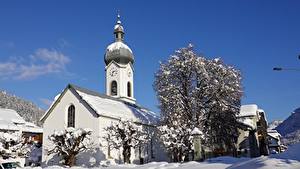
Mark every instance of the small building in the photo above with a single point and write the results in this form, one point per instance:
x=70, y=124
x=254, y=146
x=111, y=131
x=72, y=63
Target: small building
x=274, y=141
x=11, y=121
x=252, y=140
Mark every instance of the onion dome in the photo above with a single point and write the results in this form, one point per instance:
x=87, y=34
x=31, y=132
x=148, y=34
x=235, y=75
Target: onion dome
x=118, y=51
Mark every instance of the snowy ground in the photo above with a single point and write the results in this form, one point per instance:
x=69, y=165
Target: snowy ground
x=216, y=163
x=287, y=160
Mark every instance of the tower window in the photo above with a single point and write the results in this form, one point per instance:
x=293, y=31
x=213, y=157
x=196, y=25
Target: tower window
x=114, y=88
x=71, y=116
x=128, y=89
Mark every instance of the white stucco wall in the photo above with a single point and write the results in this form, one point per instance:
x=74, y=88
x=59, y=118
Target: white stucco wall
x=57, y=120
x=158, y=153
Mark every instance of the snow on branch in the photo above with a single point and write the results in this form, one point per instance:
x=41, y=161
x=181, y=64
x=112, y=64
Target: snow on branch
x=194, y=91
x=13, y=145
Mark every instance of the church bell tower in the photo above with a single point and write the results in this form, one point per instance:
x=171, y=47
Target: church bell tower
x=119, y=61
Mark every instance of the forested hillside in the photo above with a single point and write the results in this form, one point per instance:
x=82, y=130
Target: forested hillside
x=28, y=110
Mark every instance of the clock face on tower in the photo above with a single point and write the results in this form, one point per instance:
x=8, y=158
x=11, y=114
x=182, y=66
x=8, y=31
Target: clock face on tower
x=129, y=73
x=113, y=72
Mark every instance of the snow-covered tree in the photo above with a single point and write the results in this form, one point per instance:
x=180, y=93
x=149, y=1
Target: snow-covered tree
x=126, y=135
x=70, y=142
x=176, y=84
x=13, y=145
x=197, y=92
x=222, y=104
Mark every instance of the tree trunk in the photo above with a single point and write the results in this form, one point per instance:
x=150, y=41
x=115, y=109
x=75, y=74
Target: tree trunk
x=126, y=154
x=70, y=160
x=175, y=155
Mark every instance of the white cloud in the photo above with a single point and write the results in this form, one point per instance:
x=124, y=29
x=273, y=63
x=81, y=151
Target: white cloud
x=43, y=61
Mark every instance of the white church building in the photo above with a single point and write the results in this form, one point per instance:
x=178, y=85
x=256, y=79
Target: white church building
x=82, y=108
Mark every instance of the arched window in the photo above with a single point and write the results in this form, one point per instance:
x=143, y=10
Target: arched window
x=128, y=89
x=114, y=88
x=71, y=116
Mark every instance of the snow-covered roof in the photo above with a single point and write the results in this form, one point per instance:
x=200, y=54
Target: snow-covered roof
x=261, y=110
x=118, y=52
x=248, y=110
x=117, y=46
x=11, y=116
x=11, y=120
x=116, y=108
x=118, y=26
x=6, y=125
x=274, y=134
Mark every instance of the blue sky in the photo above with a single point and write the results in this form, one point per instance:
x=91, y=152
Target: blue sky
x=44, y=45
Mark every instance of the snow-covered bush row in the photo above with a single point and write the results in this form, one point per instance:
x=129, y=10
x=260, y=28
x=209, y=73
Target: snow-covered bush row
x=70, y=142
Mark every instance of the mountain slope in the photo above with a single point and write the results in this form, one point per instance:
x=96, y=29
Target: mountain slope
x=29, y=111
x=291, y=124
x=290, y=128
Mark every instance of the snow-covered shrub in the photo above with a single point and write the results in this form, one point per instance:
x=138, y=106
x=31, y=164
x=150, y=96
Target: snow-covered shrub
x=197, y=92
x=70, y=142
x=177, y=140
x=126, y=135
x=13, y=145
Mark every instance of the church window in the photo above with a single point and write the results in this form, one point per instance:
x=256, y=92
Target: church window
x=128, y=89
x=114, y=88
x=71, y=116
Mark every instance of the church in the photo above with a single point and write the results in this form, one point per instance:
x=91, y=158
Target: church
x=82, y=108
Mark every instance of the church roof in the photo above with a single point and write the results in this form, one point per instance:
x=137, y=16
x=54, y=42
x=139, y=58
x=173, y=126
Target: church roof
x=119, y=52
x=108, y=106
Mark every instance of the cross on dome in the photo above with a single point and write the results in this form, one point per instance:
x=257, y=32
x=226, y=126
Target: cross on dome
x=118, y=18
x=118, y=29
